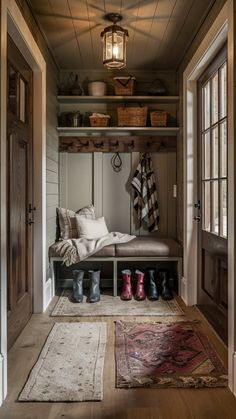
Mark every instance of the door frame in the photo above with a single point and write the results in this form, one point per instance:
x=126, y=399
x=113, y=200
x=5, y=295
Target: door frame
x=222, y=30
x=13, y=23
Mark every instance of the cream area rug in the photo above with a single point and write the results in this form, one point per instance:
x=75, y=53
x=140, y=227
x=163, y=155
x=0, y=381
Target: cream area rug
x=114, y=306
x=70, y=366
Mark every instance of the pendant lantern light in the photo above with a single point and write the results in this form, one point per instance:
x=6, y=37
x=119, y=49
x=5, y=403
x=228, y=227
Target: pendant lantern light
x=114, y=39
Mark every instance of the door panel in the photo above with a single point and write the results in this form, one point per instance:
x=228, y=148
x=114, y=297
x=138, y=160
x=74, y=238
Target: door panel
x=19, y=186
x=212, y=188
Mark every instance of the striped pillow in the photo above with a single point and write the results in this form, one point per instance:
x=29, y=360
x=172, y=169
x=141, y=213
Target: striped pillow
x=67, y=222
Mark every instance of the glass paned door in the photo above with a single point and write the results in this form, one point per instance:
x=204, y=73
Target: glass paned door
x=214, y=153
x=212, y=214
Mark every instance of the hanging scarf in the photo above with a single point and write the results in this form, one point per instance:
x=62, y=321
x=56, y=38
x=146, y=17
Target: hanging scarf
x=145, y=193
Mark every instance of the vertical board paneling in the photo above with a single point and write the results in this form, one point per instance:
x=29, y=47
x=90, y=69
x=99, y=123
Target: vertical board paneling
x=87, y=177
x=116, y=194
x=133, y=214
x=97, y=184
x=63, y=179
x=76, y=180
x=171, y=201
x=160, y=166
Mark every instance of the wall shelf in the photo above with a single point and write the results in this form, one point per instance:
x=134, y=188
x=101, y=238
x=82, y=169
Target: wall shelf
x=97, y=99
x=117, y=139
x=69, y=131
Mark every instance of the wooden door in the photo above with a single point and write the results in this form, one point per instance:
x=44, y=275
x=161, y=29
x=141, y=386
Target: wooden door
x=211, y=209
x=19, y=187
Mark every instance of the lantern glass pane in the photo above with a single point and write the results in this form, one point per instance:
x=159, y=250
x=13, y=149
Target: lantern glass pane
x=114, y=48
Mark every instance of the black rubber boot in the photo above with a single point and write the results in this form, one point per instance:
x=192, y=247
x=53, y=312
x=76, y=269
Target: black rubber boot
x=166, y=293
x=94, y=290
x=151, y=281
x=78, y=285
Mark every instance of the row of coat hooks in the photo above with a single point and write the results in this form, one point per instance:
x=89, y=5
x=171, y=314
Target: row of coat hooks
x=122, y=144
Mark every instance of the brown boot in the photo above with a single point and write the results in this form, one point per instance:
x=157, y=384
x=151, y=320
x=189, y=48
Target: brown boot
x=140, y=292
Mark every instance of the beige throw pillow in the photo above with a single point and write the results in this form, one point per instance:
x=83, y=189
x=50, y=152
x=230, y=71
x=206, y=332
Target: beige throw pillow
x=67, y=221
x=91, y=229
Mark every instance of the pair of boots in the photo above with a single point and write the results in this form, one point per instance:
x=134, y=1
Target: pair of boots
x=127, y=293
x=94, y=290
x=158, y=284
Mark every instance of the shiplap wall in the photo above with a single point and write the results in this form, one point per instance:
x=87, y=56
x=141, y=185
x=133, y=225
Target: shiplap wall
x=89, y=178
x=51, y=124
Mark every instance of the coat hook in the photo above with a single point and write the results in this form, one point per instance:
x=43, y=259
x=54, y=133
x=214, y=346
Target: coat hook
x=98, y=145
x=86, y=144
x=116, y=144
x=131, y=145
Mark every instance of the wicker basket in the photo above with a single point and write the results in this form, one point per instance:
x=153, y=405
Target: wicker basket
x=124, y=86
x=99, y=121
x=158, y=118
x=132, y=117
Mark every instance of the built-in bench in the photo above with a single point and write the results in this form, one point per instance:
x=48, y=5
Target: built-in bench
x=142, y=248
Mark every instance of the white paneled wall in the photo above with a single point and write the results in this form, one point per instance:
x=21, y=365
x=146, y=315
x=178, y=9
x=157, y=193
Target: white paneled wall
x=89, y=178
x=76, y=180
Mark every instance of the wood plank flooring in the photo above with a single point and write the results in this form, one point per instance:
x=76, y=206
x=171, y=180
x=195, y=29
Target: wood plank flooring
x=117, y=403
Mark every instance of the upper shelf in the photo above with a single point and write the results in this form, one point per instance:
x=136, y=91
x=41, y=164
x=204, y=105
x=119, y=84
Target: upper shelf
x=84, y=99
x=69, y=131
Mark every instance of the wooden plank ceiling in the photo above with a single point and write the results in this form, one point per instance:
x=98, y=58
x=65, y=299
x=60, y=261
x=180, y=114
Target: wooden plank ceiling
x=159, y=31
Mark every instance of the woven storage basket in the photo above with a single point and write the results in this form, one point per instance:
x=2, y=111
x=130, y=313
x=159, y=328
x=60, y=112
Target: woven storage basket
x=132, y=117
x=158, y=118
x=124, y=86
x=99, y=121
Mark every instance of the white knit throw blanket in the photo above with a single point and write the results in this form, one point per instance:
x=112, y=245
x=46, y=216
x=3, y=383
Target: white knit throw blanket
x=76, y=250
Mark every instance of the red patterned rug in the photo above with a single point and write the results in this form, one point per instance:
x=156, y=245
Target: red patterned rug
x=166, y=355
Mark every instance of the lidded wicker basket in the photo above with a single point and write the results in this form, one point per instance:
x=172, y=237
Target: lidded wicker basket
x=132, y=116
x=124, y=86
x=158, y=118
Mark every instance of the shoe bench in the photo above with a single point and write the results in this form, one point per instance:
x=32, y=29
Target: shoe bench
x=141, y=249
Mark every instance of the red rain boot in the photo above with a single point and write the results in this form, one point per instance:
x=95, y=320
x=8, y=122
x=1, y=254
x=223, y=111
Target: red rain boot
x=126, y=293
x=140, y=292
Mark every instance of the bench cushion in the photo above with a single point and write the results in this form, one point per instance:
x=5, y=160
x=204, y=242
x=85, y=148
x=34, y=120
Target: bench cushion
x=106, y=252
x=149, y=246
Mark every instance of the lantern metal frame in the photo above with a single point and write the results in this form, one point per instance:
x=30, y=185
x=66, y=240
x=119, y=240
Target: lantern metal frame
x=114, y=62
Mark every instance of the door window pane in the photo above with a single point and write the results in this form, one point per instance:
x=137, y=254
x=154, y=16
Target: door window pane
x=22, y=100
x=215, y=153
x=215, y=208
x=206, y=148
x=12, y=90
x=223, y=208
x=223, y=149
x=206, y=106
x=223, y=91
x=207, y=206
x=214, y=99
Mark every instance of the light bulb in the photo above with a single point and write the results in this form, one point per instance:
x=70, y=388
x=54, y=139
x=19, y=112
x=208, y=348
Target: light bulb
x=115, y=51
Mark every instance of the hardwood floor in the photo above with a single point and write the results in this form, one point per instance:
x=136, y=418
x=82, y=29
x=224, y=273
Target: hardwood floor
x=117, y=403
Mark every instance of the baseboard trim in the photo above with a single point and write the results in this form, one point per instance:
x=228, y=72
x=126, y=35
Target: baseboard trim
x=3, y=377
x=48, y=293
x=183, y=290
x=232, y=379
